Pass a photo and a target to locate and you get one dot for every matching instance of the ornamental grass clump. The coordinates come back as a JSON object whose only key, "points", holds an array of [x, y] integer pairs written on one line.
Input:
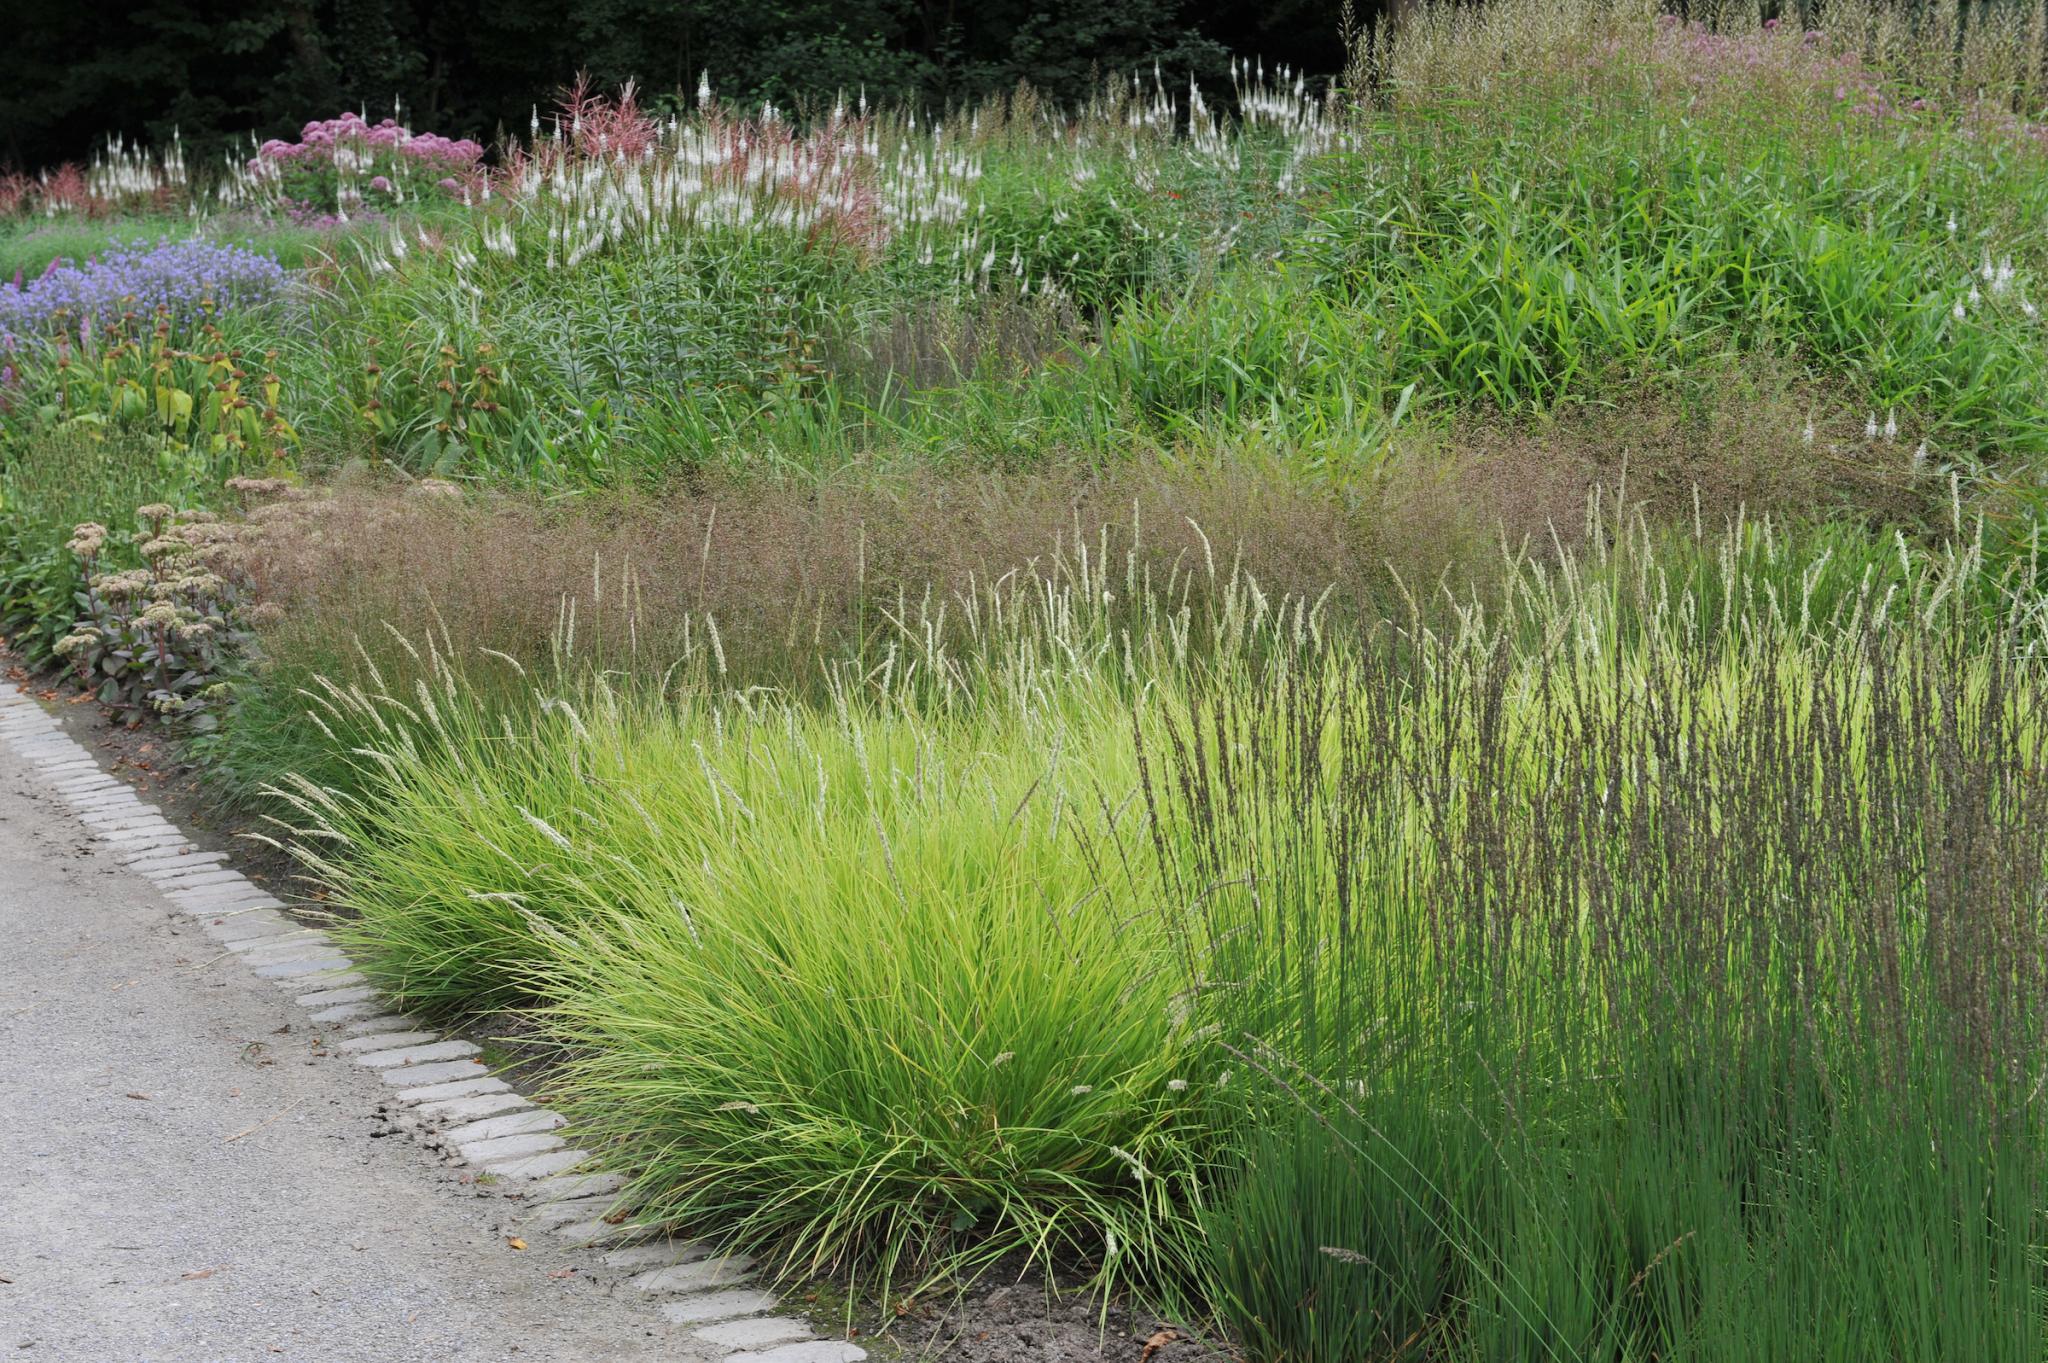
{"points": [[862, 991], [1656, 1001], [888, 1002]]}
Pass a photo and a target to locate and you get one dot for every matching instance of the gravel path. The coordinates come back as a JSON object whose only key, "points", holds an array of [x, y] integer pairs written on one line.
{"points": [[182, 1178]]}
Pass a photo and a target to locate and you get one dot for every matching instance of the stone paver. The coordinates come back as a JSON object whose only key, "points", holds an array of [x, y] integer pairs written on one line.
{"points": [[600, 1233], [509, 1124], [198, 878], [478, 1081], [384, 1024], [299, 968], [256, 951], [414, 1057], [261, 923], [432, 1076], [468, 1109], [342, 1012], [810, 1351], [165, 863], [724, 1271], [564, 1186], [327, 998], [339, 980], [579, 1212], [207, 898], [492, 1152], [757, 1333], [384, 1041], [709, 1306], [539, 1166], [657, 1254]]}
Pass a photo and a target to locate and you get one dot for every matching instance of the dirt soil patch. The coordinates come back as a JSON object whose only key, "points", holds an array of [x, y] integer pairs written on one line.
{"points": [[1017, 1315]]}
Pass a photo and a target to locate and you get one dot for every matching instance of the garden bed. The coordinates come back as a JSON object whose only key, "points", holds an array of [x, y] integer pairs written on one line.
{"points": [[1400, 729]]}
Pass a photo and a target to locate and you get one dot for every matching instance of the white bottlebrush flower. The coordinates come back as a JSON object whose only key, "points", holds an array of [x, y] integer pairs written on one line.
{"points": [[1891, 425], [1920, 457], [1806, 432], [1870, 427]]}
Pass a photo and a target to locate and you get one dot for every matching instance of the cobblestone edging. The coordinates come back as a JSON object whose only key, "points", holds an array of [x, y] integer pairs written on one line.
{"points": [[441, 1093]]}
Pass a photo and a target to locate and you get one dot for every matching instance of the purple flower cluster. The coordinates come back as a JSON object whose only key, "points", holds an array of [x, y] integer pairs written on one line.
{"points": [[319, 140], [185, 278]]}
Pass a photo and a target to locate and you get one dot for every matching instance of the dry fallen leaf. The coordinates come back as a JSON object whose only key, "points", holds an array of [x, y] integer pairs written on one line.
{"points": [[562, 1273], [1160, 1339], [143, 1096], [197, 1273], [515, 1242]]}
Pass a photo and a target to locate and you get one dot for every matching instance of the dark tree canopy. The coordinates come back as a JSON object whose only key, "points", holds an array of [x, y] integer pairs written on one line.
{"points": [[70, 73]]}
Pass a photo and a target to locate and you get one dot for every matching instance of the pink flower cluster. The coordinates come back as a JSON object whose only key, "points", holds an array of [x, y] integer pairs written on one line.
{"points": [[1774, 65], [319, 140]]}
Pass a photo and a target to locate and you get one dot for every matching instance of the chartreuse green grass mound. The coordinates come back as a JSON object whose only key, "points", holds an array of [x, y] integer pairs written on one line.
{"points": [[874, 991]]}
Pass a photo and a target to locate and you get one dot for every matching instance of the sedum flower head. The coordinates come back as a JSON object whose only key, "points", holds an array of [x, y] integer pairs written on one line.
{"points": [[131, 582], [163, 546]]}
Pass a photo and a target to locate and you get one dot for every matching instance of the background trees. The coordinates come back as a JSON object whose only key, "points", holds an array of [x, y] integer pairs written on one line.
{"points": [[216, 70]]}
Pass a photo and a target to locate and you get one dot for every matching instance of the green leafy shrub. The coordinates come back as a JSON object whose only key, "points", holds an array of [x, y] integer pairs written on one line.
{"points": [[58, 482]]}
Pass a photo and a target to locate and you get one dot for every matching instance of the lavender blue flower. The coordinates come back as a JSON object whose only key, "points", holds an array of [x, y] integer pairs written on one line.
{"points": [[185, 277]]}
